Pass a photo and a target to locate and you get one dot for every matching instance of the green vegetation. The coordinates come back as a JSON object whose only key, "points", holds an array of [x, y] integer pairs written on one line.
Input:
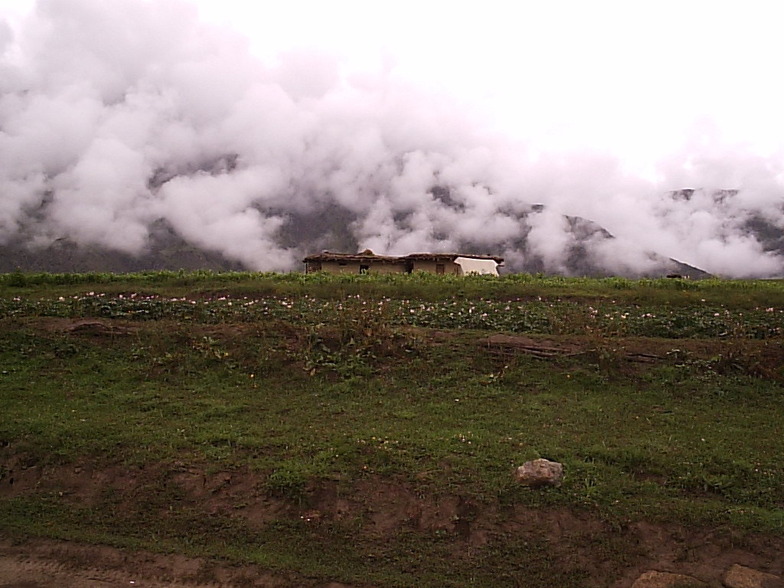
{"points": [[420, 286], [366, 429]]}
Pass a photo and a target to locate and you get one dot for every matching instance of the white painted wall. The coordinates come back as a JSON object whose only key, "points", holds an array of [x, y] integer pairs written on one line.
{"points": [[477, 266]]}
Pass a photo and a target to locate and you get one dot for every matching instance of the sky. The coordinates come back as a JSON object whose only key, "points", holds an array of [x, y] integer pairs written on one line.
{"points": [[598, 109], [634, 78]]}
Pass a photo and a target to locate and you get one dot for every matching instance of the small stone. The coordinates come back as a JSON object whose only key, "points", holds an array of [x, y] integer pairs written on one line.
{"points": [[655, 579], [540, 472], [742, 577]]}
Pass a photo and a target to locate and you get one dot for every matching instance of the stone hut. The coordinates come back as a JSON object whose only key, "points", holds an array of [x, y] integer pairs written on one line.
{"points": [[368, 262]]}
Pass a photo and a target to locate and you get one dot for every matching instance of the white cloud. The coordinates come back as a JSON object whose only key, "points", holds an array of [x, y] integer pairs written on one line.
{"points": [[117, 114]]}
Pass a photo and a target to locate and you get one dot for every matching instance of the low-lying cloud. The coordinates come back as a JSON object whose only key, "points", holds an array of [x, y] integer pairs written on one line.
{"points": [[118, 115]]}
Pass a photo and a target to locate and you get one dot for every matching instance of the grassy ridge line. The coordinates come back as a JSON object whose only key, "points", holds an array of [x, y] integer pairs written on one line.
{"points": [[423, 286]]}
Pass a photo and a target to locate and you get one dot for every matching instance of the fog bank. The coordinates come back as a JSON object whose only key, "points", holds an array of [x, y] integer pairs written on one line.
{"points": [[115, 116]]}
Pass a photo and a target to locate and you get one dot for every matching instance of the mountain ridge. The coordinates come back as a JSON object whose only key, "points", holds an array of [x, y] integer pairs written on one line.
{"points": [[329, 228]]}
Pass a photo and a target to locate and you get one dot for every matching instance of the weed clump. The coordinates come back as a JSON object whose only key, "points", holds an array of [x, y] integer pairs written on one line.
{"points": [[354, 340]]}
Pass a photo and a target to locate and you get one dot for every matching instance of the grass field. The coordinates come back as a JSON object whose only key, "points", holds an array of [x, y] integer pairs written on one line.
{"points": [[365, 430]]}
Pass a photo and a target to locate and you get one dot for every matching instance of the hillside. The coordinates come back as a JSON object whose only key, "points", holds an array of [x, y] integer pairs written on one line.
{"points": [[582, 253], [194, 429]]}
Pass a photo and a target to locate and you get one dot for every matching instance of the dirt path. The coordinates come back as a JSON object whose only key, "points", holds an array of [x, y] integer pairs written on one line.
{"points": [[23, 572], [17, 572], [53, 564]]}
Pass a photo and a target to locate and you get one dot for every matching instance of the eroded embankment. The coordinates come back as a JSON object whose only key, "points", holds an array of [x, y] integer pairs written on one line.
{"points": [[378, 511]]}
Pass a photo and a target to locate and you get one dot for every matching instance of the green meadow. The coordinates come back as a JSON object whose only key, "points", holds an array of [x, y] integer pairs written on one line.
{"points": [[366, 429]]}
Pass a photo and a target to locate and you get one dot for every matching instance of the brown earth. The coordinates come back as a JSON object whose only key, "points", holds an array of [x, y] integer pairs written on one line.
{"points": [[384, 506], [43, 563]]}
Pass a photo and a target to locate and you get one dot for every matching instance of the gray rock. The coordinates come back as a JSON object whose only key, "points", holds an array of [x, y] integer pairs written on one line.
{"points": [[540, 472], [655, 579], [742, 577]]}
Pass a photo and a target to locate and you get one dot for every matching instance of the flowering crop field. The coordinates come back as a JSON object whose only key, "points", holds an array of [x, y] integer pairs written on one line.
{"points": [[539, 315]]}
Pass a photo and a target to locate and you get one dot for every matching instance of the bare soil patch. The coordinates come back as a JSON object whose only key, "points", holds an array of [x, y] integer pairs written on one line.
{"points": [[43, 563], [384, 506]]}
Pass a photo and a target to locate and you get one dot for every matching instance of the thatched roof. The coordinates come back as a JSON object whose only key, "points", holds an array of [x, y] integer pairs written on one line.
{"points": [[368, 255], [450, 257]]}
